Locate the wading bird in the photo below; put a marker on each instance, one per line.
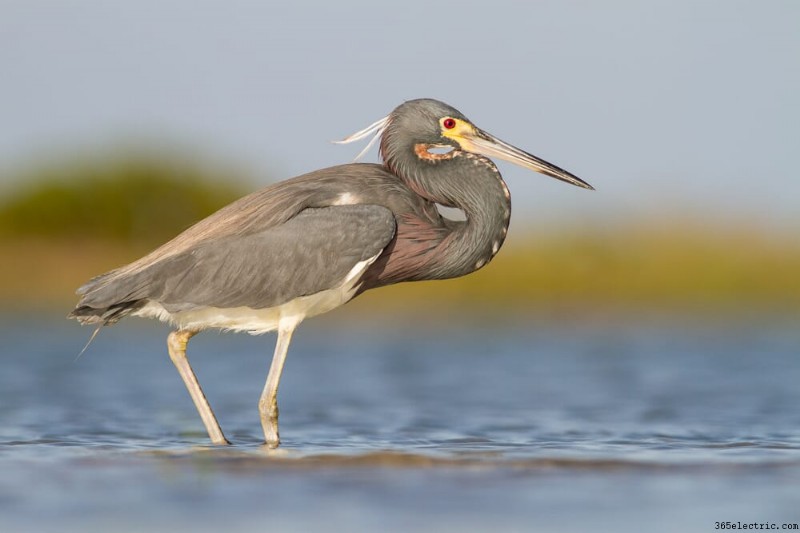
(307, 245)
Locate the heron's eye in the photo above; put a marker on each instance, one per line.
(449, 123)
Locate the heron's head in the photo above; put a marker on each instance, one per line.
(434, 130)
(426, 122)
(435, 126)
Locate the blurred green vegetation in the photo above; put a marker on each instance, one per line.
(133, 199)
(71, 221)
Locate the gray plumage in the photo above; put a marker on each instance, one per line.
(309, 244)
(260, 218)
(241, 270)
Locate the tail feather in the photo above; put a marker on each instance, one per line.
(105, 316)
(94, 334)
(107, 299)
(94, 283)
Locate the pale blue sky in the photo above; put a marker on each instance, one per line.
(679, 107)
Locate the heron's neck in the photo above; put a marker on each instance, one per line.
(473, 184)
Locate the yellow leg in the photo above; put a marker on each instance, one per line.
(268, 403)
(176, 343)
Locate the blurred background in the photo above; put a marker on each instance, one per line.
(121, 123)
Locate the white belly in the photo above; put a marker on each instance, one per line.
(257, 321)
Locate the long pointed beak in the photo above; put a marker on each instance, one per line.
(488, 145)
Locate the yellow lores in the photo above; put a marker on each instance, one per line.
(458, 130)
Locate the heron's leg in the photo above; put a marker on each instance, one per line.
(268, 403)
(176, 342)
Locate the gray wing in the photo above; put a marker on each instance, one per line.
(309, 253)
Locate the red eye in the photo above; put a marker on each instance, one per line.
(449, 123)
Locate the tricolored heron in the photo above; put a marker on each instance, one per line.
(307, 245)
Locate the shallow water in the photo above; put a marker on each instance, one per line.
(536, 426)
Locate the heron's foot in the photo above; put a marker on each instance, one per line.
(272, 438)
(272, 441)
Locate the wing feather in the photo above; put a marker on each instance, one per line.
(311, 252)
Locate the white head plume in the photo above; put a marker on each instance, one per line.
(375, 128)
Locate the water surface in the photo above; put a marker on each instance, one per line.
(534, 426)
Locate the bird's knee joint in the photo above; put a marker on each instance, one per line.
(177, 341)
